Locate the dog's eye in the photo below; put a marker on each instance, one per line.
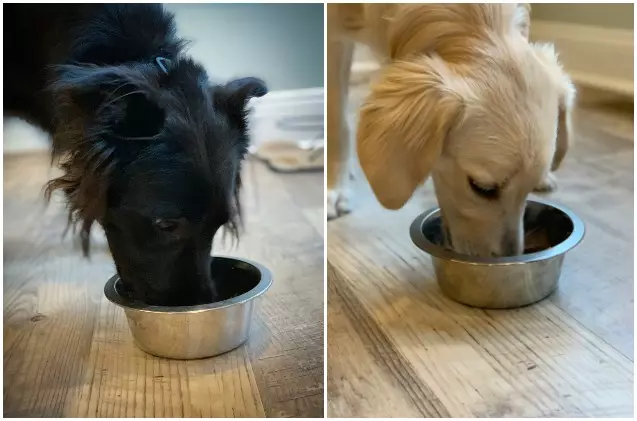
(487, 192)
(167, 225)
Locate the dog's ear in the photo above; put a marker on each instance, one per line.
(143, 117)
(239, 91)
(566, 94)
(117, 96)
(96, 107)
(402, 128)
(234, 96)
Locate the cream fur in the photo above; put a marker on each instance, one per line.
(462, 93)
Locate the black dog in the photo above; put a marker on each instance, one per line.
(151, 149)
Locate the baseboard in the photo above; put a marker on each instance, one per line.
(593, 56)
(292, 115)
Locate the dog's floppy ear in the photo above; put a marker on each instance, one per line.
(96, 108)
(402, 128)
(118, 96)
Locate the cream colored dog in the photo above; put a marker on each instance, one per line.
(461, 96)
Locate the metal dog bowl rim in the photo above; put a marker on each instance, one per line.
(262, 286)
(421, 241)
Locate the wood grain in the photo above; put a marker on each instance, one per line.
(398, 347)
(68, 351)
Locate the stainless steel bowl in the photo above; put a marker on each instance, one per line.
(503, 282)
(200, 331)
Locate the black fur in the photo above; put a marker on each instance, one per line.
(153, 157)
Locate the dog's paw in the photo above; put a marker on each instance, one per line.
(548, 185)
(338, 203)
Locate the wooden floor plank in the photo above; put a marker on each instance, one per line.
(289, 366)
(358, 348)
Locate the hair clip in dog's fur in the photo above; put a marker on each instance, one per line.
(163, 63)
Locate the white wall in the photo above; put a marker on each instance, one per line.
(281, 43)
(595, 42)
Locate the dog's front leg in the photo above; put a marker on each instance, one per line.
(339, 148)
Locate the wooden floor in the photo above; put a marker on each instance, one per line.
(398, 348)
(68, 351)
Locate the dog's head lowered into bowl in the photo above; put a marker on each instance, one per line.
(506, 281)
(152, 150)
(200, 331)
(468, 102)
(166, 178)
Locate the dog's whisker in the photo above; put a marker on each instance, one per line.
(106, 104)
(114, 91)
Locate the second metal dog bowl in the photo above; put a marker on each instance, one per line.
(503, 282)
(200, 331)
